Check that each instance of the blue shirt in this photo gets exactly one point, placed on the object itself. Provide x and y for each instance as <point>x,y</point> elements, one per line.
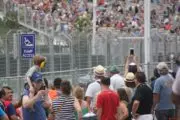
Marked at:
<point>163,86</point>
<point>2,114</point>
<point>35,113</point>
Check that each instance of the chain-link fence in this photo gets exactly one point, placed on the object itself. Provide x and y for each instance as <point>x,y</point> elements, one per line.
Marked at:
<point>76,76</point>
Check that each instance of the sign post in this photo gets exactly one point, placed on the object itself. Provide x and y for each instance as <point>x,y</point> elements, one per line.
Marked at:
<point>27,45</point>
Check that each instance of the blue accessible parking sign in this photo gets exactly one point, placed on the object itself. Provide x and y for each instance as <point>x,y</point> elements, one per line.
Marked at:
<point>27,45</point>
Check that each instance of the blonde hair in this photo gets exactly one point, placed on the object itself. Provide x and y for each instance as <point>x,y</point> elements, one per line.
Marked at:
<point>79,92</point>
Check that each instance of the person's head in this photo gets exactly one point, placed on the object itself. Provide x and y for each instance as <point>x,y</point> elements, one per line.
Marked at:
<point>113,70</point>
<point>39,61</point>
<point>140,77</point>
<point>99,72</point>
<point>2,93</point>
<point>132,68</point>
<point>105,81</point>
<point>66,87</point>
<point>163,68</point>
<point>8,93</point>
<point>156,73</point>
<point>122,94</point>
<point>129,80</point>
<point>79,92</point>
<point>37,81</point>
<point>57,83</point>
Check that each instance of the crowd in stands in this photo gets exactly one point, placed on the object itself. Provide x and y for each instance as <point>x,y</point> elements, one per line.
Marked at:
<point>124,15</point>
<point>109,96</point>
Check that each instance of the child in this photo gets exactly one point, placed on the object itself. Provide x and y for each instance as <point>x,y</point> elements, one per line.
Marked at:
<point>39,63</point>
<point>124,100</point>
<point>79,94</point>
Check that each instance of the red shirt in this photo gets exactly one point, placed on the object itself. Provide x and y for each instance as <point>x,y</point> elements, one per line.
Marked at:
<point>108,100</point>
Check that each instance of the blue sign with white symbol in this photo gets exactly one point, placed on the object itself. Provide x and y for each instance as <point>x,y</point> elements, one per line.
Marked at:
<point>28,45</point>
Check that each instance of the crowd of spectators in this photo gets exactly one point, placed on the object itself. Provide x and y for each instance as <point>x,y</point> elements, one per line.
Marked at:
<point>124,15</point>
<point>109,96</point>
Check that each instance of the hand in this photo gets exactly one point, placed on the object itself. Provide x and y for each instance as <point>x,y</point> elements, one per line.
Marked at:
<point>41,93</point>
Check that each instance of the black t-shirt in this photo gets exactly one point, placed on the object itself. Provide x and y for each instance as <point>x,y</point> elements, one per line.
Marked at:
<point>143,94</point>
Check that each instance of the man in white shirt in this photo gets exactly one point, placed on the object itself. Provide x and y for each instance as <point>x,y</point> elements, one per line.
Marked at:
<point>94,87</point>
<point>116,80</point>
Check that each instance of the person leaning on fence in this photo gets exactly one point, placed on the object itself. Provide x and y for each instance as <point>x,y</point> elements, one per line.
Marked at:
<point>39,63</point>
<point>176,89</point>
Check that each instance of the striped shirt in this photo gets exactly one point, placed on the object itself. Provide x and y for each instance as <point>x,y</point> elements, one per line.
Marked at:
<point>63,108</point>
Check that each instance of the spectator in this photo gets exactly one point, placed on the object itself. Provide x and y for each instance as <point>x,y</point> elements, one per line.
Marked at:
<point>116,80</point>
<point>39,63</point>
<point>65,106</point>
<point>94,87</point>
<point>7,106</point>
<point>107,102</point>
<point>33,107</point>
<point>162,103</point>
<point>176,89</point>
<point>153,79</point>
<point>130,83</point>
<point>3,116</point>
<point>123,104</point>
<point>55,91</point>
<point>142,100</point>
<point>79,94</point>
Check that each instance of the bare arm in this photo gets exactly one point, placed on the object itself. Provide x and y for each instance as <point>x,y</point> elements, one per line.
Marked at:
<point>99,112</point>
<point>77,106</point>
<point>124,111</point>
<point>47,103</point>
<point>156,98</point>
<point>13,117</point>
<point>135,108</point>
<point>88,100</point>
<point>28,102</point>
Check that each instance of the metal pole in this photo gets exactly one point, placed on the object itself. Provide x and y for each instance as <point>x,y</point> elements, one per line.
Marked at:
<point>7,54</point>
<point>147,34</point>
<point>94,26</point>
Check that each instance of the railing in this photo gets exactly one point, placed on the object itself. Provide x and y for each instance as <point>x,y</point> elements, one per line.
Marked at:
<point>76,76</point>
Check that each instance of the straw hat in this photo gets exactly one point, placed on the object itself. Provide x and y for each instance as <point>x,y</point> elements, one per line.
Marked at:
<point>99,70</point>
<point>130,77</point>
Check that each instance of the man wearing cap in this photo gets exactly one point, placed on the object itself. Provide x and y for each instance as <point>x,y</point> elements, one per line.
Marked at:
<point>116,80</point>
<point>94,87</point>
<point>162,103</point>
<point>33,107</point>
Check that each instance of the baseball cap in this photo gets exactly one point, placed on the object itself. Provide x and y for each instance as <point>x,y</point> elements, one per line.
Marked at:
<point>113,69</point>
<point>36,77</point>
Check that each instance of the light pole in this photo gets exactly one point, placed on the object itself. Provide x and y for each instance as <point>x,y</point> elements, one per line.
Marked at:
<point>147,4</point>
<point>94,26</point>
